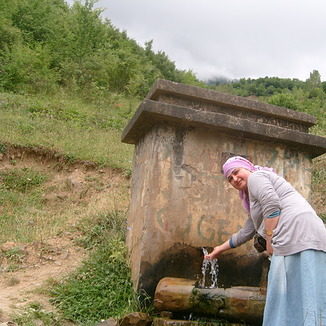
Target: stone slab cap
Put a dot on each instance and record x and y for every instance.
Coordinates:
(194, 106)
(207, 100)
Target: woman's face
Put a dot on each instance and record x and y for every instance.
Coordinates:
(239, 178)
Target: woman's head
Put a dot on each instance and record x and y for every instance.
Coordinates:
(239, 178)
(237, 170)
(236, 162)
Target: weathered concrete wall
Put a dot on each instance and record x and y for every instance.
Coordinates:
(179, 194)
(181, 202)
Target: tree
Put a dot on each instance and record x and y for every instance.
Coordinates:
(314, 81)
(284, 100)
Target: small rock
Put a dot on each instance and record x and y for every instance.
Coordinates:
(166, 314)
(73, 182)
(136, 319)
(64, 255)
(38, 322)
(108, 322)
(7, 246)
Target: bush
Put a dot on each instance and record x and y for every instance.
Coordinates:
(26, 69)
(284, 100)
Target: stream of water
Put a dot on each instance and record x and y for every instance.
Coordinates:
(209, 271)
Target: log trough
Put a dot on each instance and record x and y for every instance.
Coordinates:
(239, 303)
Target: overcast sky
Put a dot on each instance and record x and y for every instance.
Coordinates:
(230, 38)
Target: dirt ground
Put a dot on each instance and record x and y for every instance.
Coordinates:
(80, 187)
(26, 285)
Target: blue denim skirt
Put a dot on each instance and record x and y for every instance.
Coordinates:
(296, 292)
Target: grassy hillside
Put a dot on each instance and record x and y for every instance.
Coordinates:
(78, 130)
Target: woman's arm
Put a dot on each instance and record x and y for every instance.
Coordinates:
(243, 235)
(261, 188)
(270, 225)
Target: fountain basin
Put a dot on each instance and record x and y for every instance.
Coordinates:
(237, 304)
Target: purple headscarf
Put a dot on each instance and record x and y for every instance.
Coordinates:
(240, 162)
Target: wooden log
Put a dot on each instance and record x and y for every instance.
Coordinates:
(245, 304)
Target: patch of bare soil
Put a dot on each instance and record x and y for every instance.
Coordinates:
(47, 261)
(74, 190)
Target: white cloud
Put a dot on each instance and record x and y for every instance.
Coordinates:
(234, 38)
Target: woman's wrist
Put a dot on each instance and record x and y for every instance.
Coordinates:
(269, 233)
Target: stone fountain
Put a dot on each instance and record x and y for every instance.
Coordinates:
(180, 201)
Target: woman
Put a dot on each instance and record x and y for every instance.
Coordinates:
(295, 236)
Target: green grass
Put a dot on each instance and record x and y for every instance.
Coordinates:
(21, 198)
(21, 180)
(34, 314)
(71, 128)
(102, 287)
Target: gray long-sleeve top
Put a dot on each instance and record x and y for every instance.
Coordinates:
(299, 228)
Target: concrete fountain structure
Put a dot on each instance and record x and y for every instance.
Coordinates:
(180, 201)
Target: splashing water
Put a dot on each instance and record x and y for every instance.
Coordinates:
(209, 269)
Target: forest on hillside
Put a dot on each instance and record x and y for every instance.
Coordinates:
(47, 46)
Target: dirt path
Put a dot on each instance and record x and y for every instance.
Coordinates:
(20, 288)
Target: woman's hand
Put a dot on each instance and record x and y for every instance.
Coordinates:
(218, 250)
(270, 225)
(269, 247)
(214, 254)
